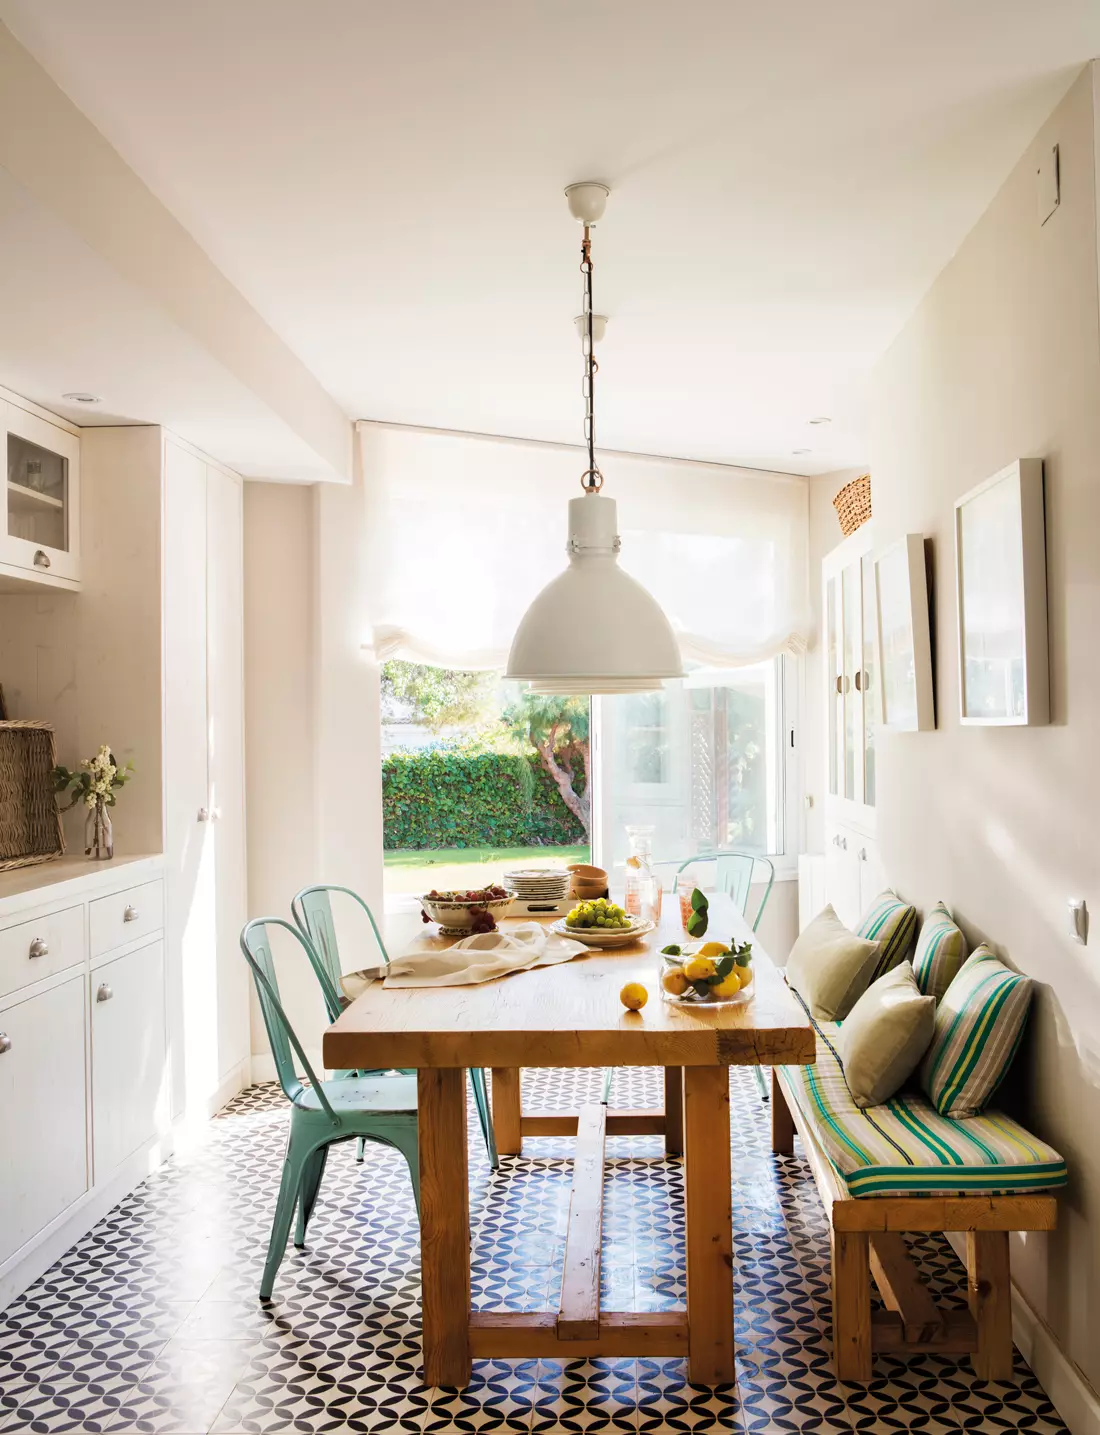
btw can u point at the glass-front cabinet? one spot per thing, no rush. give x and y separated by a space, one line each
40 541
851 697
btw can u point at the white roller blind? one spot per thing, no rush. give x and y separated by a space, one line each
465 530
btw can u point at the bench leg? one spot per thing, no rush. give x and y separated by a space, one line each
851 1305
507 1111
782 1121
990 1291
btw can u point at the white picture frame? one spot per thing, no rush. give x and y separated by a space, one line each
903 639
1001 599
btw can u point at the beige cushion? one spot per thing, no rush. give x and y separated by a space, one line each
885 1035
829 966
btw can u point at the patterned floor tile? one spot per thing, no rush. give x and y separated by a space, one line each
151 1322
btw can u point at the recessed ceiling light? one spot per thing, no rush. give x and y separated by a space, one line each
821 419
83 398
798 451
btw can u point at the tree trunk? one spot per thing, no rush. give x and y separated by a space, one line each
579 806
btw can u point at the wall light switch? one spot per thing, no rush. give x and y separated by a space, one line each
1050 189
1078 920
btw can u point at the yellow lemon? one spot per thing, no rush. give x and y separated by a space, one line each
713 949
698 969
674 982
728 986
633 996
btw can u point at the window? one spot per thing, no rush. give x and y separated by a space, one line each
646 730
703 762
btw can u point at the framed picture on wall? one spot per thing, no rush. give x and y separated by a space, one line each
1001 584
903 638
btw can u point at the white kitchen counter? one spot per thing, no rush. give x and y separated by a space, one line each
26 888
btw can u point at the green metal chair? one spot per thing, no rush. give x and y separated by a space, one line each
377 1108
734 873
312 911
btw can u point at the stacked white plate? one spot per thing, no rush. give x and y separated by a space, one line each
538 884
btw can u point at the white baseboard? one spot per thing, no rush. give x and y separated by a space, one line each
263 1065
232 1085
34 1258
1067 1389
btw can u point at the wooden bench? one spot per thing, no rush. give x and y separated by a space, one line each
866 1242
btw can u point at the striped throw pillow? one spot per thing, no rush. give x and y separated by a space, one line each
941 951
979 1023
891 923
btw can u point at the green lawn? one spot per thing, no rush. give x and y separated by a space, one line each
448 868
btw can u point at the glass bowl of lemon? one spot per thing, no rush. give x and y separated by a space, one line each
707 973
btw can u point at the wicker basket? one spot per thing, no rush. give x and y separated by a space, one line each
30 824
853 504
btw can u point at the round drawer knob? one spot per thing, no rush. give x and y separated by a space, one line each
41 560
39 948
130 914
5 1042
104 992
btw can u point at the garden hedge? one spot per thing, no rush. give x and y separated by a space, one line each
446 798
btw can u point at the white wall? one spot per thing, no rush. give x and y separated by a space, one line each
90 663
280 746
1000 361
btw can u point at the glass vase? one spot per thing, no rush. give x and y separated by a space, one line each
99 834
643 887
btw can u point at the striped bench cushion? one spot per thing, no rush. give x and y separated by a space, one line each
905 1147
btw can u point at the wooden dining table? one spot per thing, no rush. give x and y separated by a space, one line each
570 1015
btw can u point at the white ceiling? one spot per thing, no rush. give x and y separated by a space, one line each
383 182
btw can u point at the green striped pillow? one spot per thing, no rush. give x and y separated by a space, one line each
941 951
891 923
979 1023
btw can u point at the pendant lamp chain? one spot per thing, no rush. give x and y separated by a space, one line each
592 478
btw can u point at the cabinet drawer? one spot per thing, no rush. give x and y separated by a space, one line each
126 916
43 1111
37 949
129 1057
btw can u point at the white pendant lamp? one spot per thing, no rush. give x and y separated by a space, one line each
593 629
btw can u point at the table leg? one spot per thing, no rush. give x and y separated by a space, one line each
674 1111
709 1224
507 1112
444 1224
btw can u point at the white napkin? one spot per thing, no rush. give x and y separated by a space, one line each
480 958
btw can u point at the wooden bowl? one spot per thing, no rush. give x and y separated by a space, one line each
586 872
587 890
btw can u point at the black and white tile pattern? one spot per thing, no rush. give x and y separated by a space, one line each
152 1323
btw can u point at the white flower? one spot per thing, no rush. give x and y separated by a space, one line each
90 800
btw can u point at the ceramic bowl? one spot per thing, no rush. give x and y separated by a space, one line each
605 936
456 919
586 882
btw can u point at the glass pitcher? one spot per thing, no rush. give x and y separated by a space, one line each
643 886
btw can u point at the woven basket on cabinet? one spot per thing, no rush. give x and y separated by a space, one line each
853 504
30 824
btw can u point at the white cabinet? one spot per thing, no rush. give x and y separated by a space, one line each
129 1073
225 756
842 873
40 532
204 776
43 1110
84 1075
853 873
848 607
